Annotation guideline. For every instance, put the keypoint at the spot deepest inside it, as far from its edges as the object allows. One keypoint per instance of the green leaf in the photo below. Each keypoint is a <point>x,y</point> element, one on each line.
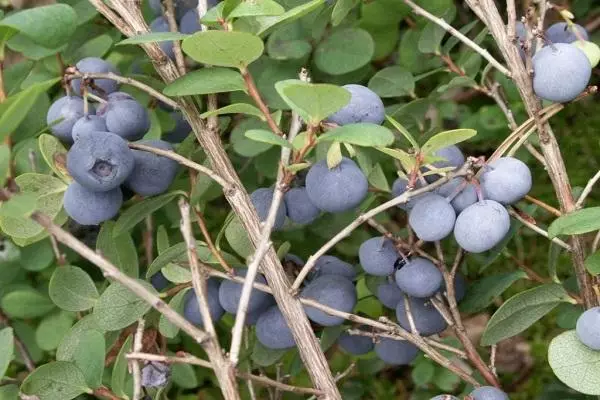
<point>403,131</point>
<point>184,376</point>
<point>57,380</point>
<point>162,239</point>
<point>96,47</point>
<point>256,8</point>
<point>266,23</point>
<point>9,392</point>
<point>224,48</point>
<point>205,81</point>
<point>52,329</point>
<point>457,81</point>
<point>178,253</point>
<point>69,344</point>
<point>244,146</point>
<point>4,162</point>
<point>238,108</point>
<point>576,222</point>
<point>264,357</point>
<point>18,106</point>
<point>483,292</point>
<point>120,250</point>
<point>362,134</point>
<point>447,138</point>
<point>153,37</point>
<point>521,311</point>
<point>118,307</point>
<point>334,155</point>
<point>431,38</point>
<point>20,205</point>
<point>72,289</point>
<point>6,349</point>
<point>341,10</point>
<point>423,373</point>
<point>237,237</point>
<point>313,101</point>
<point>265,136</point>
<point>88,355</point>
<point>55,155</point>
<point>377,178</point>
<point>26,303</point>
<point>591,50</point>
<point>407,160</point>
<point>139,211</point>
<point>393,82</point>
<point>119,373</point>
<point>329,336</point>
<point>592,263</point>
<point>166,327</point>
<point>346,50</point>
<point>575,364</point>
<point>49,26</point>
<point>176,273</point>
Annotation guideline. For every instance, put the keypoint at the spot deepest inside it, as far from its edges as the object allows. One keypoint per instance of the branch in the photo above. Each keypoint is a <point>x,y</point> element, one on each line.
<point>211,245</point>
<point>169,12</point>
<point>135,366</point>
<point>405,197</point>
<point>539,230</point>
<point>190,359</point>
<point>587,190</point>
<point>443,24</point>
<point>126,81</point>
<point>253,92</point>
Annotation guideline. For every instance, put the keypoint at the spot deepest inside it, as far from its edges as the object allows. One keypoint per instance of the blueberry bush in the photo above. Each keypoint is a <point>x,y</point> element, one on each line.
<point>286,199</point>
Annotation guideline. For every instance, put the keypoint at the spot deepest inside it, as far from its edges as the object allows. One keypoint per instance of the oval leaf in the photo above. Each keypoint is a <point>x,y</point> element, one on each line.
<point>447,138</point>
<point>346,50</point>
<point>6,349</point>
<point>120,250</point>
<point>576,365</point>
<point>393,82</point>
<point>238,108</point>
<point>118,379</point>
<point>580,221</point>
<point>118,307</point>
<point>153,37</point>
<point>224,48</point>
<point>72,289</point>
<point>363,134</point>
<point>55,155</point>
<point>205,81</point>
<point>256,8</point>
<point>265,136</point>
<point>88,354</point>
<point>136,213</point>
<point>58,380</point>
<point>26,303</point>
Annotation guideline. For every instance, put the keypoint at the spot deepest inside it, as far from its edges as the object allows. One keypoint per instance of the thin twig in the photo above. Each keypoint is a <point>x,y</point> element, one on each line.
<point>22,349</point>
<point>60,257</point>
<point>587,190</point>
<point>190,359</point>
<point>253,92</point>
<point>339,376</point>
<point>545,206</point>
<point>135,365</point>
<point>127,81</point>
<point>493,359</point>
<point>539,230</point>
<point>211,246</point>
<point>183,161</point>
<point>169,12</point>
<point>440,22</point>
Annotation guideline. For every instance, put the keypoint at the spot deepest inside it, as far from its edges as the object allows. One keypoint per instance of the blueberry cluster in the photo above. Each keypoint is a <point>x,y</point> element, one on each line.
<point>100,160</point>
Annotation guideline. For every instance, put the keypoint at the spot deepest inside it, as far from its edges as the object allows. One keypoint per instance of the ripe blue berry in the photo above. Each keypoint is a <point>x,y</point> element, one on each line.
<point>261,199</point>
<point>389,294</point>
<point>377,256</point>
<point>88,207</point>
<point>432,218</point>
<point>560,72</point>
<point>67,109</point>
<point>338,189</point>
<point>488,393</point>
<point>87,124</point>
<point>396,352</point>
<point>96,65</point>
<point>100,161</point>
<point>152,174</point>
<point>191,311</point>
<point>190,22</point>
<point>561,32</point>
<point>463,198</point>
<point>364,106</point>
<point>506,180</point>
<point>588,328</point>
<point>299,207</point>
<point>181,130</point>
<point>273,331</point>
<point>230,293</point>
<point>159,282</point>
<point>331,290</point>
<point>399,187</point>
<point>355,344</point>
<point>419,278</point>
<point>331,265</point>
<point>453,158</point>
<point>481,226</point>
<point>427,318</point>
<point>126,118</point>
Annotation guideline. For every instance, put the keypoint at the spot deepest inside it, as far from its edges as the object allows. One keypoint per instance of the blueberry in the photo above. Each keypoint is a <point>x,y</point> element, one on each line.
<point>560,72</point>
<point>377,256</point>
<point>96,65</point>
<point>161,24</point>
<point>506,180</point>
<point>419,278</point>
<point>588,328</point>
<point>181,6</point>
<point>230,293</point>
<point>67,109</point>
<point>364,106</point>
<point>488,393</point>
<point>432,218</point>
<point>190,22</point>
<point>87,207</point>
<point>396,352</point>
<point>118,96</point>
<point>462,199</point>
<point>338,189</point>
<point>181,130</point>
<point>560,32</point>
<point>333,291</point>
<point>399,187</point>
<point>87,124</point>
<point>126,118</point>
<point>155,374</point>
<point>389,294</point>
<point>427,318</point>
<point>159,282</point>
<point>299,207</point>
<point>331,265</point>
<point>191,311</point>
<point>453,158</point>
<point>261,199</point>
<point>355,344</point>
<point>481,226</point>
<point>152,174</point>
<point>272,331</point>
<point>100,161</point>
